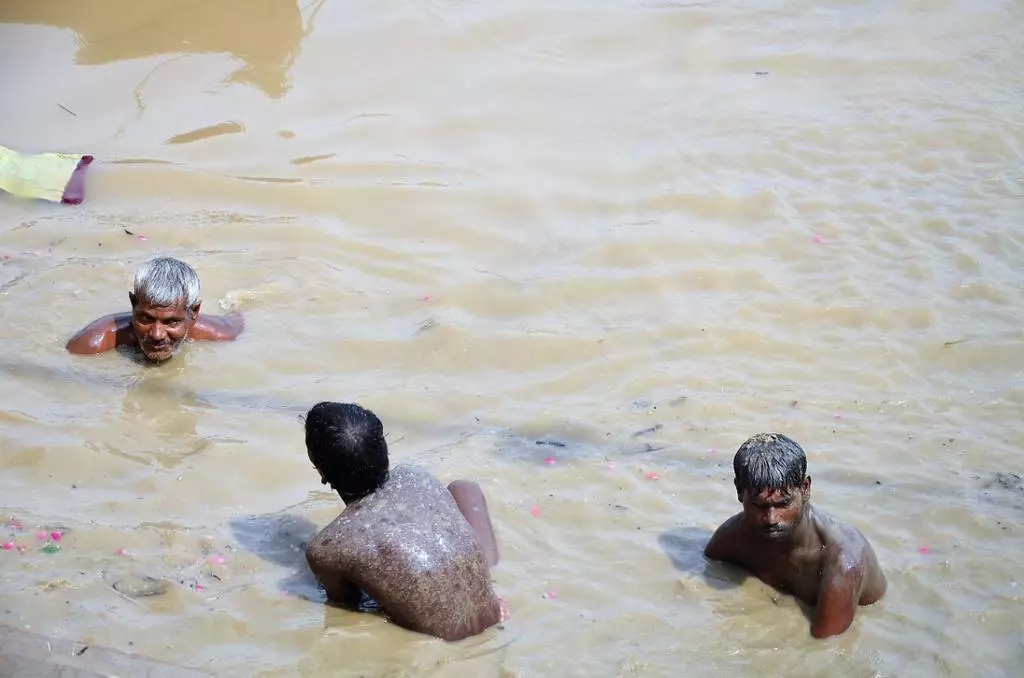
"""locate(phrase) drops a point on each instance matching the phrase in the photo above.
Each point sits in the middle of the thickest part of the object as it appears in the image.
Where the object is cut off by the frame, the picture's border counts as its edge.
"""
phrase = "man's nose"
(771, 517)
(158, 331)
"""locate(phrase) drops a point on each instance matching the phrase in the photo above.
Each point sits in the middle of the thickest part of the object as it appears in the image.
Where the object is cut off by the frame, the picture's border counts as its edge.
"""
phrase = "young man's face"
(775, 514)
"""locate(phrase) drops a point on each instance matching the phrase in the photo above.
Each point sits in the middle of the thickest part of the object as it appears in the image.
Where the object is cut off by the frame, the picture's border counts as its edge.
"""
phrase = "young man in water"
(420, 550)
(787, 543)
(165, 313)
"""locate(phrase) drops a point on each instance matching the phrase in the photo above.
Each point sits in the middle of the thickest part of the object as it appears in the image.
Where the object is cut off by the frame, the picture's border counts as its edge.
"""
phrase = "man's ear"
(132, 298)
(739, 492)
(806, 488)
(195, 311)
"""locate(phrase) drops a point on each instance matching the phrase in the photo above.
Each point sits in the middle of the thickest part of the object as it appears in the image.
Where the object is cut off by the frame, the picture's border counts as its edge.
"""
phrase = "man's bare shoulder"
(339, 546)
(102, 334)
(726, 543)
(841, 540)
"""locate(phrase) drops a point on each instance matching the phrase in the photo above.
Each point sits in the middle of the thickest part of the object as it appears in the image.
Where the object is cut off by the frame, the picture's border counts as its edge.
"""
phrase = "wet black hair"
(346, 444)
(769, 461)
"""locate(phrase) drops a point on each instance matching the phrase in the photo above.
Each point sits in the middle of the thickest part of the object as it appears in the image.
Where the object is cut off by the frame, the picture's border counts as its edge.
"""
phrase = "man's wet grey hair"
(166, 281)
(769, 461)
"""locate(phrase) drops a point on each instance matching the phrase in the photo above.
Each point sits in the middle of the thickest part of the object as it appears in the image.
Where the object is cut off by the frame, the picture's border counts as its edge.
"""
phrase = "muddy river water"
(576, 250)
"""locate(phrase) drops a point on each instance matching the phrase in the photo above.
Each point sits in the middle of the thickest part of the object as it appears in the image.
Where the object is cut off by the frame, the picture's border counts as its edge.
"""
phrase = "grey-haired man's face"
(161, 329)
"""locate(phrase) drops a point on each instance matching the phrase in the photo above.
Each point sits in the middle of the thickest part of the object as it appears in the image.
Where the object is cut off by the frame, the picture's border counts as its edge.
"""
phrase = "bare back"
(409, 547)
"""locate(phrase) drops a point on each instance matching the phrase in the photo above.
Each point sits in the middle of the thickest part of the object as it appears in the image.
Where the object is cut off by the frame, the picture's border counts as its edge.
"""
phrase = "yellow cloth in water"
(42, 176)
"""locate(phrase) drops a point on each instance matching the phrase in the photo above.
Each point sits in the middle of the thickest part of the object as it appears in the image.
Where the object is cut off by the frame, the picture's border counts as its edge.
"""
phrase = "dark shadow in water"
(265, 35)
(685, 548)
(281, 538)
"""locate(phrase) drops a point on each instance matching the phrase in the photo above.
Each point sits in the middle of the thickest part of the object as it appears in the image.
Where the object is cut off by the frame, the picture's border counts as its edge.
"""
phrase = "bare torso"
(115, 331)
(408, 546)
(833, 560)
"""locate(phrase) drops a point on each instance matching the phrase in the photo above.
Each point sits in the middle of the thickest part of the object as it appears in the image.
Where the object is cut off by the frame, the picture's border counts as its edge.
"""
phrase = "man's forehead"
(773, 495)
(153, 309)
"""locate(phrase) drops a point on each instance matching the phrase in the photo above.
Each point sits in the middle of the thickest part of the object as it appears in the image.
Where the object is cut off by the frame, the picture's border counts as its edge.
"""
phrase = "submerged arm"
(470, 500)
(838, 595)
(337, 588)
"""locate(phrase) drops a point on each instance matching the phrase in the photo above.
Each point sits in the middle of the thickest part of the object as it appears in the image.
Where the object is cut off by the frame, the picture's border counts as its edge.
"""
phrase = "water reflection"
(264, 34)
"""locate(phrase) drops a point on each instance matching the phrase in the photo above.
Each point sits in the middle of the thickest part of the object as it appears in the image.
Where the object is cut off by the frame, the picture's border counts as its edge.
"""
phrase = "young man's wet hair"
(346, 444)
(769, 461)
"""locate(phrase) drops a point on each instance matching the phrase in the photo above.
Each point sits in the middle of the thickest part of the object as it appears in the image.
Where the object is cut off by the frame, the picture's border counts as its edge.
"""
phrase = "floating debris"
(141, 587)
(649, 430)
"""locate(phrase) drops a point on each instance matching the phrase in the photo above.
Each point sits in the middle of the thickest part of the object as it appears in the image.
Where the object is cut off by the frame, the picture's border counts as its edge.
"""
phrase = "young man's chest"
(795, 572)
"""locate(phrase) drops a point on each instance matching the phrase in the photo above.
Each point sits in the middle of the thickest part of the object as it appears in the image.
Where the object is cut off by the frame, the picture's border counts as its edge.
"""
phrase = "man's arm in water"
(329, 573)
(103, 334)
(218, 327)
(842, 580)
(471, 502)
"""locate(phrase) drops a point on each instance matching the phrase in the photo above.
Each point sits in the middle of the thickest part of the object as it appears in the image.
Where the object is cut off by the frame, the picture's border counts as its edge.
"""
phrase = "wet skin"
(788, 544)
(413, 546)
(158, 331)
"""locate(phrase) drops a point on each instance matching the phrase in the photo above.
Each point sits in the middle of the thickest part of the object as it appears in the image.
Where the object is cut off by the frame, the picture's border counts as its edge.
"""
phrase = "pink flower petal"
(838, 416)
(41, 535)
(818, 238)
(551, 595)
(535, 511)
(122, 552)
(712, 451)
(56, 535)
(199, 587)
(142, 237)
(652, 475)
(17, 526)
(550, 461)
(217, 560)
(426, 297)
(923, 550)
(8, 545)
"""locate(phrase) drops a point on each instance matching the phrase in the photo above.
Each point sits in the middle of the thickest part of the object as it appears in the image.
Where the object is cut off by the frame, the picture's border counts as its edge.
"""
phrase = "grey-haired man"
(165, 312)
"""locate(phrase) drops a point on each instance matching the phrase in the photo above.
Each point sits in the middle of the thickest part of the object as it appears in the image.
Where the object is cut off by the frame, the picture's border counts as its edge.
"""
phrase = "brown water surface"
(504, 223)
